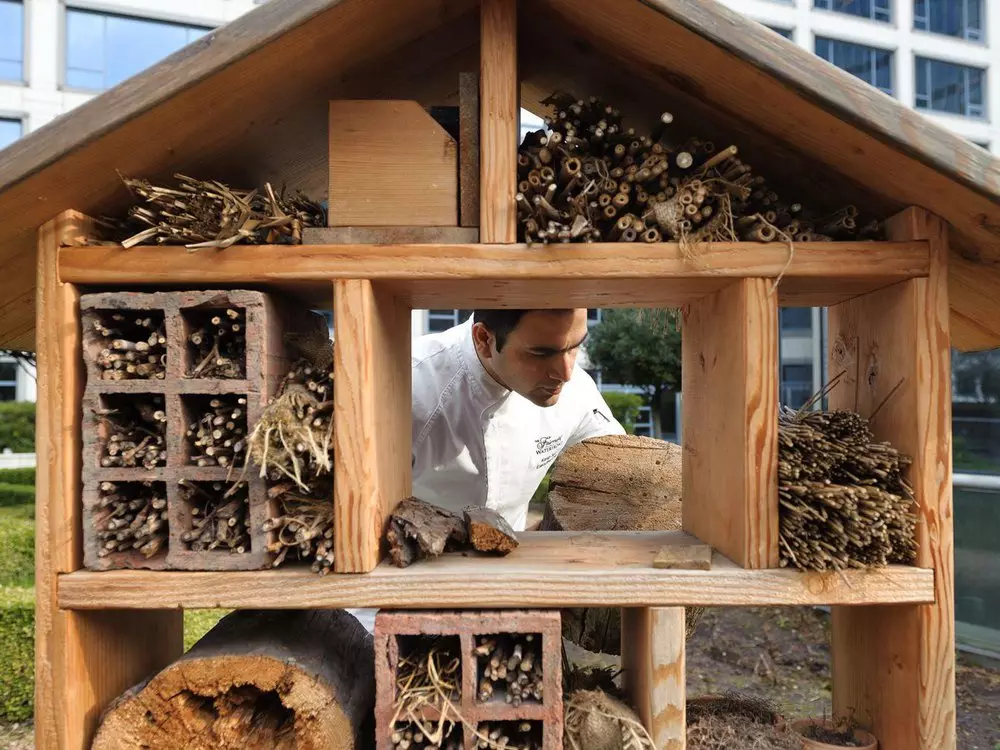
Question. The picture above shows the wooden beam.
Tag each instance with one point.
(894, 667)
(371, 419)
(730, 467)
(551, 569)
(498, 93)
(82, 660)
(653, 661)
(468, 149)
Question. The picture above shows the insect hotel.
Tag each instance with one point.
(202, 444)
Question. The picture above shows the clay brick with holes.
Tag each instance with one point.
(508, 676)
(173, 382)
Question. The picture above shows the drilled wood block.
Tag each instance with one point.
(183, 396)
(394, 632)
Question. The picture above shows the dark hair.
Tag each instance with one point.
(499, 322)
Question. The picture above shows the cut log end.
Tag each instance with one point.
(489, 531)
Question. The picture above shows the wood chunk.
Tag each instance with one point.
(684, 557)
(489, 531)
(468, 150)
(418, 529)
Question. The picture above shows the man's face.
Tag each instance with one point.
(539, 354)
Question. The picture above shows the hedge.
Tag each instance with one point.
(16, 494)
(17, 542)
(625, 407)
(17, 426)
(18, 476)
(17, 654)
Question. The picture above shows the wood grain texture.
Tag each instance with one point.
(82, 660)
(895, 666)
(389, 235)
(549, 569)
(499, 120)
(653, 659)
(468, 150)
(371, 420)
(730, 470)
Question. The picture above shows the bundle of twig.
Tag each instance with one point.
(723, 732)
(210, 214)
(304, 527)
(510, 668)
(136, 432)
(218, 436)
(741, 707)
(587, 177)
(217, 343)
(133, 345)
(219, 518)
(429, 674)
(510, 735)
(843, 500)
(408, 736)
(131, 516)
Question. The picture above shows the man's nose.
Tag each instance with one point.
(564, 366)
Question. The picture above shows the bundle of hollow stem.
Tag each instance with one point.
(210, 214)
(587, 177)
(843, 500)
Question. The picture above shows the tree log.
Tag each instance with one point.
(274, 679)
(613, 483)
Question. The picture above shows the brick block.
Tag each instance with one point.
(394, 629)
(264, 321)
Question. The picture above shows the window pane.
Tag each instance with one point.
(977, 562)
(10, 131)
(961, 18)
(8, 372)
(11, 41)
(787, 33)
(875, 9)
(796, 319)
(867, 63)
(7, 393)
(103, 50)
(946, 87)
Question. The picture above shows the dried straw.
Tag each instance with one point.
(593, 720)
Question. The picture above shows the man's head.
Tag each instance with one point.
(531, 352)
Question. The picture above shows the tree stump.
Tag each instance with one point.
(613, 483)
(267, 679)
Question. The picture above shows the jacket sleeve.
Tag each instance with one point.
(596, 418)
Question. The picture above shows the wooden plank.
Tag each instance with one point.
(498, 92)
(372, 419)
(730, 385)
(895, 666)
(549, 569)
(695, 557)
(391, 164)
(390, 235)
(653, 661)
(82, 660)
(468, 150)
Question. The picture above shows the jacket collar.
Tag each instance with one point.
(482, 382)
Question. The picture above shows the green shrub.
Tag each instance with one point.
(18, 476)
(17, 546)
(17, 426)
(16, 494)
(17, 654)
(625, 407)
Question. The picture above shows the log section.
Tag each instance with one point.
(303, 679)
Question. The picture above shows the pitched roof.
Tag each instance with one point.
(248, 103)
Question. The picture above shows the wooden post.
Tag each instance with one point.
(499, 102)
(653, 659)
(372, 462)
(894, 666)
(82, 659)
(730, 422)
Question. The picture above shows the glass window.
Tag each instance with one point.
(796, 384)
(442, 320)
(961, 18)
(877, 10)
(103, 50)
(796, 319)
(8, 380)
(10, 131)
(593, 316)
(644, 422)
(787, 33)
(11, 40)
(977, 564)
(870, 64)
(947, 87)
(975, 378)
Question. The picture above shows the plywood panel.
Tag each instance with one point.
(82, 660)
(372, 419)
(895, 666)
(730, 355)
(391, 164)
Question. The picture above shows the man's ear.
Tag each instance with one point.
(482, 338)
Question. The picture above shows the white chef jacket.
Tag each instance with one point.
(477, 443)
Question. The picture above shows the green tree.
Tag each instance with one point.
(640, 348)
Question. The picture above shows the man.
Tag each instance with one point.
(495, 401)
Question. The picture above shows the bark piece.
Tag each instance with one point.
(489, 531)
(283, 680)
(418, 529)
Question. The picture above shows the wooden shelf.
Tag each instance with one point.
(579, 275)
(549, 569)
